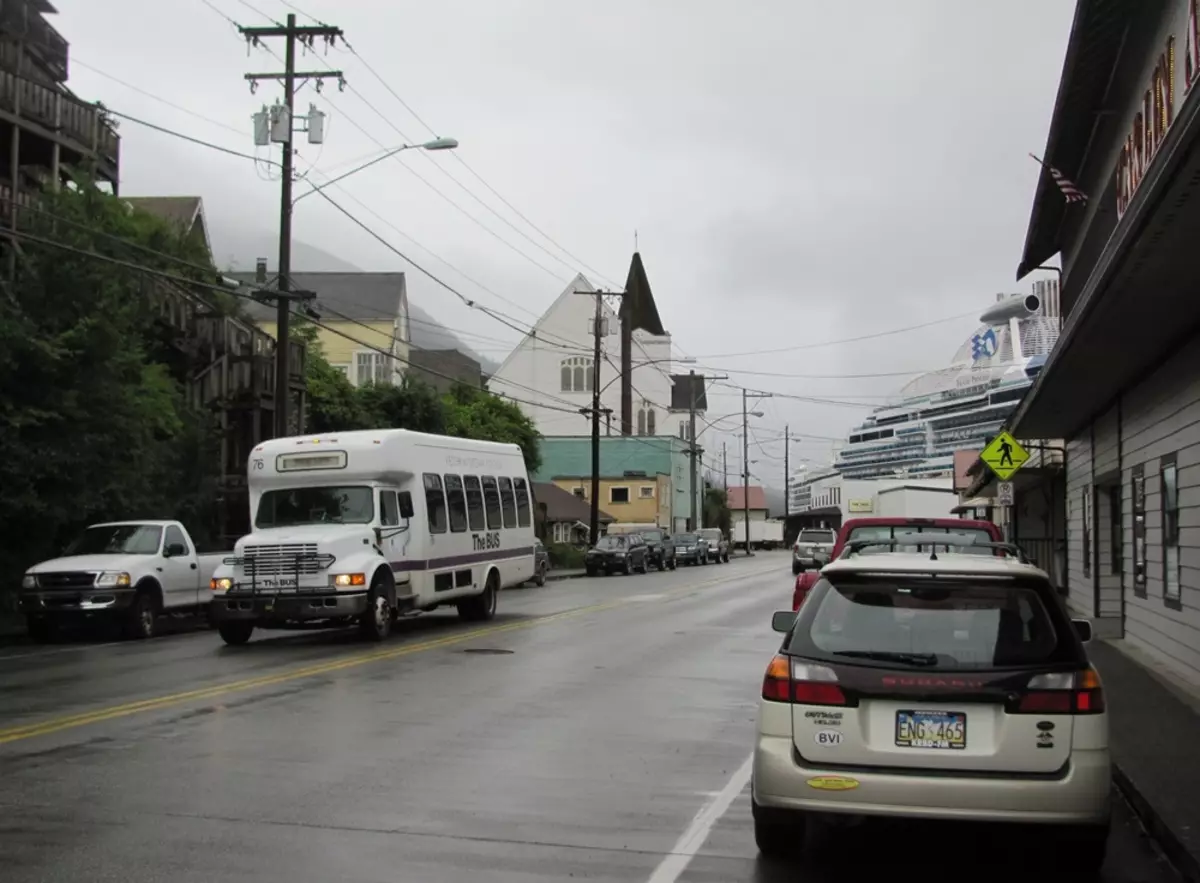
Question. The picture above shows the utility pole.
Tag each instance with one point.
(725, 469)
(787, 478)
(692, 522)
(599, 326)
(746, 468)
(281, 130)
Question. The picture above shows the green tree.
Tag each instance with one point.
(476, 413)
(716, 510)
(92, 397)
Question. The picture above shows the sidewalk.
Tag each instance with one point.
(1155, 739)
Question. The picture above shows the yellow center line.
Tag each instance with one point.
(69, 722)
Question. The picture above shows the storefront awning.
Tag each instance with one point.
(1136, 303)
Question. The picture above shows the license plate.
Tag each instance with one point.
(931, 729)
(279, 583)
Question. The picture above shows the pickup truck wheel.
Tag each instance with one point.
(376, 622)
(141, 617)
(726, 557)
(235, 632)
(672, 564)
(482, 607)
(41, 630)
(644, 567)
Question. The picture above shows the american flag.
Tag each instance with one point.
(1068, 188)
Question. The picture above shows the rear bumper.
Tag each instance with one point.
(1081, 796)
(73, 602)
(267, 609)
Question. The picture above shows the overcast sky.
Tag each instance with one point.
(797, 171)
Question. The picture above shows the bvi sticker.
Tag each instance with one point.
(827, 737)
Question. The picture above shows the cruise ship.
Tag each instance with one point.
(962, 405)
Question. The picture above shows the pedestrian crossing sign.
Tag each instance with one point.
(1004, 456)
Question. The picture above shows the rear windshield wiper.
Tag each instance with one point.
(886, 656)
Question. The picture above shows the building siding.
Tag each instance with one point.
(1080, 590)
(1161, 416)
(1106, 470)
(381, 335)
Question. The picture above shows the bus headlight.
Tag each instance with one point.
(350, 579)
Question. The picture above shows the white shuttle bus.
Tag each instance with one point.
(362, 527)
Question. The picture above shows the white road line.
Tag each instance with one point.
(79, 648)
(673, 865)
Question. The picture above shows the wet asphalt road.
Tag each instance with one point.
(587, 733)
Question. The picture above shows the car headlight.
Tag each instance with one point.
(112, 578)
(223, 584)
(29, 581)
(350, 579)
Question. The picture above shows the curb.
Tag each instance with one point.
(1184, 862)
(552, 577)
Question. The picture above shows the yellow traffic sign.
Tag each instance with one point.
(1004, 455)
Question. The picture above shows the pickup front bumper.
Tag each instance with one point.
(73, 602)
(276, 609)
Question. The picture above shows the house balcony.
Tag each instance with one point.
(66, 131)
(45, 50)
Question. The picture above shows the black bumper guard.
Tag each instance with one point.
(250, 564)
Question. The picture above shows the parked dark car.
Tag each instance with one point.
(691, 548)
(662, 548)
(624, 553)
(541, 562)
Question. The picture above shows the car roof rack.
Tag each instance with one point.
(959, 540)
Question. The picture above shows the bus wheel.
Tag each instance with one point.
(375, 624)
(483, 606)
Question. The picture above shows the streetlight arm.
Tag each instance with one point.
(436, 144)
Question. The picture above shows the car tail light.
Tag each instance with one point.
(1063, 693)
(801, 683)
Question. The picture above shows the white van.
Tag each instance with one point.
(361, 527)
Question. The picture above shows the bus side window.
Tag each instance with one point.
(474, 502)
(435, 503)
(456, 502)
(506, 502)
(491, 503)
(389, 512)
(522, 490)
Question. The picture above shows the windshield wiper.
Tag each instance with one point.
(888, 656)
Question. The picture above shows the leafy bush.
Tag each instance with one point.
(564, 556)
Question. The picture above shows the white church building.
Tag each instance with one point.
(553, 366)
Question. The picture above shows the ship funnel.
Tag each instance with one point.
(1019, 306)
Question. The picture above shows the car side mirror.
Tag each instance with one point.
(404, 499)
(783, 620)
(1083, 628)
(175, 550)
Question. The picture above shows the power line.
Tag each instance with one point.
(503, 318)
(813, 346)
(578, 262)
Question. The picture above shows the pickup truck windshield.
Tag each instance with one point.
(616, 542)
(117, 539)
(653, 536)
(316, 505)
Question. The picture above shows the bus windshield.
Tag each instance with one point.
(315, 505)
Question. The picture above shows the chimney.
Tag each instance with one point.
(260, 271)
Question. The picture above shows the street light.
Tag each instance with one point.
(435, 144)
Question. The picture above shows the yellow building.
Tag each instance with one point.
(631, 499)
(365, 319)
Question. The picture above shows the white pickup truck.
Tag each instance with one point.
(136, 571)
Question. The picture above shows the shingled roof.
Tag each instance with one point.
(362, 297)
